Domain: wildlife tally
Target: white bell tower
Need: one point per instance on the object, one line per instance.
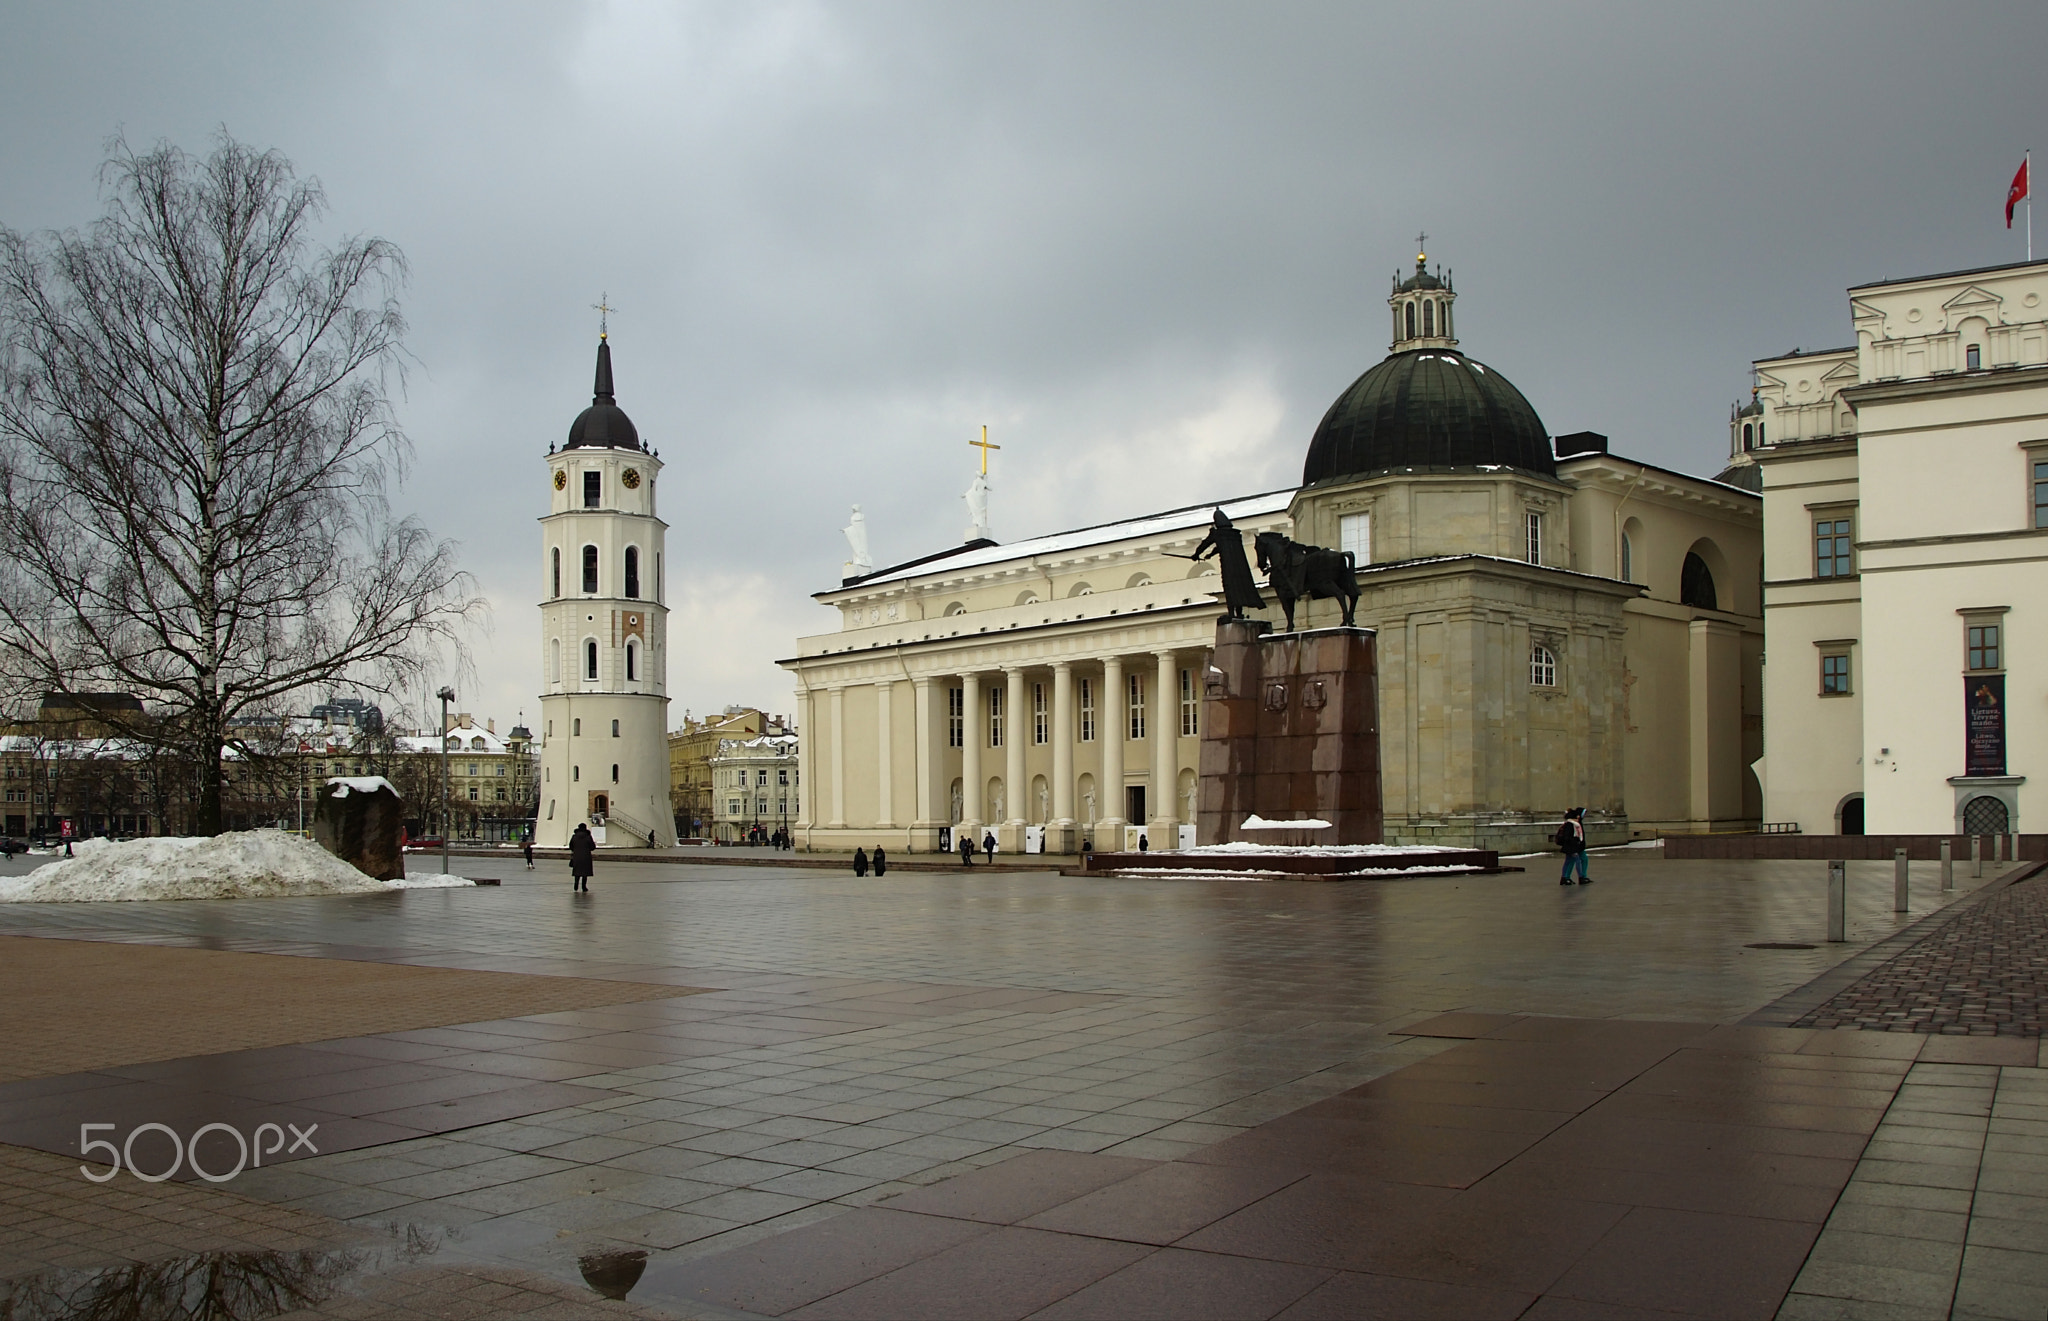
(604, 635)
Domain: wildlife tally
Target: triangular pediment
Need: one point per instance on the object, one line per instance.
(1862, 311)
(1843, 374)
(1974, 296)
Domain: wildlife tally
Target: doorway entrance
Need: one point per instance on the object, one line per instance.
(1134, 804)
(1852, 816)
(600, 805)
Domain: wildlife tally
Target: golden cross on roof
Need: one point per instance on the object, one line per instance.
(984, 447)
(604, 311)
(1422, 246)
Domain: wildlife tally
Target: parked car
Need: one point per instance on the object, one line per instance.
(424, 842)
(10, 847)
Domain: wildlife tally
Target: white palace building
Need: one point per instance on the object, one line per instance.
(1905, 481)
(1557, 626)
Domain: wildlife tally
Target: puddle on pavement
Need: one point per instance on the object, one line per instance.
(209, 1286)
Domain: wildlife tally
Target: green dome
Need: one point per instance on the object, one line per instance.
(1432, 409)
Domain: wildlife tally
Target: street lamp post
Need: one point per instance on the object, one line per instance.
(446, 695)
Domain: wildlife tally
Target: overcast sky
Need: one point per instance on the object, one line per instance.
(1147, 245)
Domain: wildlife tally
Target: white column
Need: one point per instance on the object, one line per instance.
(885, 770)
(1063, 735)
(973, 732)
(1016, 736)
(1111, 726)
(1164, 727)
(930, 793)
(806, 769)
(837, 819)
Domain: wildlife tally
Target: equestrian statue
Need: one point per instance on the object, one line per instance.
(1226, 543)
(1294, 571)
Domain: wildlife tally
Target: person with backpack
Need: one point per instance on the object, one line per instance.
(1571, 837)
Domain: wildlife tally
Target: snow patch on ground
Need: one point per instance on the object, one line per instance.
(247, 864)
(1338, 850)
(1250, 873)
(1257, 822)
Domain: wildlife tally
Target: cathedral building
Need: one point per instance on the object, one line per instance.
(1557, 625)
(604, 635)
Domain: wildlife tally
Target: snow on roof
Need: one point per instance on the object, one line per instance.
(344, 785)
(1061, 543)
(474, 739)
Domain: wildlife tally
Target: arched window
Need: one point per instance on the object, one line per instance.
(1985, 815)
(1628, 559)
(1397, 323)
(590, 569)
(632, 672)
(590, 658)
(556, 554)
(1411, 320)
(615, 772)
(1447, 318)
(1696, 584)
(615, 729)
(1748, 436)
(555, 660)
(1542, 667)
(632, 573)
(1429, 316)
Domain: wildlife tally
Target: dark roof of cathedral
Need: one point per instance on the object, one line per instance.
(603, 425)
(1422, 279)
(1427, 408)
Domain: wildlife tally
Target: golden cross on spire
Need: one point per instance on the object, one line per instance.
(1422, 246)
(984, 447)
(604, 311)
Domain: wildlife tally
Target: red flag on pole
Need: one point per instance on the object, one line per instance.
(2014, 194)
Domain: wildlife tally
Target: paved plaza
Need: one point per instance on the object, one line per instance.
(1007, 1093)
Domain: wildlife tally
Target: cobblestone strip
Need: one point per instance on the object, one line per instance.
(1984, 973)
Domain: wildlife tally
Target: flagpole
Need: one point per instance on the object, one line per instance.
(2030, 204)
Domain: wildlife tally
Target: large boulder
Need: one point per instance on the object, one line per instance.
(361, 820)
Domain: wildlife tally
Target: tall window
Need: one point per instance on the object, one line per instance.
(556, 557)
(1832, 544)
(1041, 723)
(1985, 653)
(657, 575)
(1973, 357)
(1532, 530)
(1428, 316)
(590, 659)
(1542, 667)
(555, 660)
(956, 718)
(615, 729)
(1087, 710)
(1190, 706)
(1628, 559)
(633, 573)
(632, 666)
(2041, 493)
(1834, 673)
(1136, 684)
(995, 717)
(1354, 533)
(593, 487)
(1411, 320)
(590, 569)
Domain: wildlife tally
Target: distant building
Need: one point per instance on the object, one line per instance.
(491, 787)
(1905, 485)
(690, 750)
(754, 784)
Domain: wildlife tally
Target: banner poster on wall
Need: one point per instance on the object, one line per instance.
(1984, 724)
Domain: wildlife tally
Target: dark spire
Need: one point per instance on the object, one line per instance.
(602, 392)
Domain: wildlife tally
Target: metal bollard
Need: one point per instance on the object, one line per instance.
(1838, 901)
(2015, 851)
(1901, 878)
(1977, 856)
(1948, 866)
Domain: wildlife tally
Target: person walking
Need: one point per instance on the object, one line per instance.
(1571, 837)
(988, 846)
(582, 852)
(526, 847)
(860, 862)
(881, 862)
(966, 850)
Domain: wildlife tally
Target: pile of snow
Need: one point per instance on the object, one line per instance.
(1256, 874)
(249, 864)
(1257, 822)
(1374, 850)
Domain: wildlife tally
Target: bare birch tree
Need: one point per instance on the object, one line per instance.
(195, 431)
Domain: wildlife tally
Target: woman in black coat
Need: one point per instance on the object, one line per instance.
(860, 862)
(582, 851)
(881, 861)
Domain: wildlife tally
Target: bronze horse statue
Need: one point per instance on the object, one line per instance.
(1295, 571)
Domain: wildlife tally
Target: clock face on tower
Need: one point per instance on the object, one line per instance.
(631, 477)
(561, 479)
